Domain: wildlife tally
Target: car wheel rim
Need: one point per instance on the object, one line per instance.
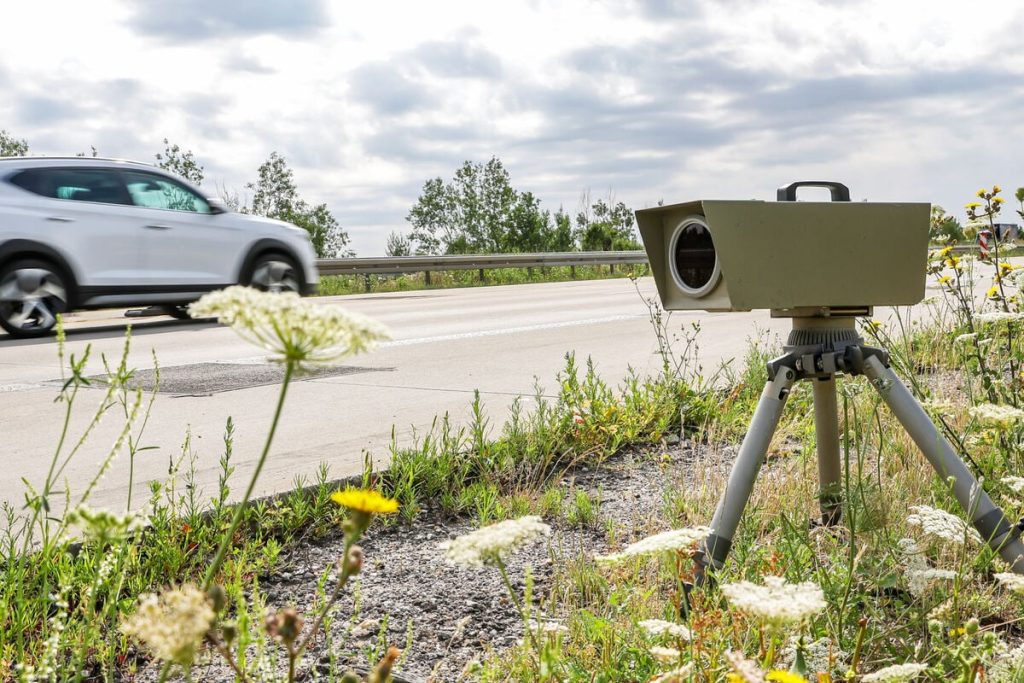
(276, 277)
(31, 298)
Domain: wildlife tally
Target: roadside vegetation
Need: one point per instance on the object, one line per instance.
(900, 590)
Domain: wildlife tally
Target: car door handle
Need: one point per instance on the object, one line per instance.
(158, 226)
(60, 219)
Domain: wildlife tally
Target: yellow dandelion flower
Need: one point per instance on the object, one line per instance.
(784, 677)
(997, 200)
(945, 280)
(972, 205)
(1007, 267)
(992, 292)
(996, 189)
(365, 500)
(953, 261)
(981, 192)
(945, 251)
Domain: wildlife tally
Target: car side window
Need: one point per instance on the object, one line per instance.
(157, 192)
(80, 185)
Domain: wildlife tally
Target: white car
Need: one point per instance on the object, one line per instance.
(81, 233)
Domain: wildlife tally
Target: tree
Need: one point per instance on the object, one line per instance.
(474, 213)
(11, 146)
(604, 226)
(398, 245)
(275, 195)
(944, 227)
(179, 162)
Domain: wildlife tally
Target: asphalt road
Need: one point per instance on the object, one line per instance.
(446, 344)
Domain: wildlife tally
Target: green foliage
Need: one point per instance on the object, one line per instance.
(275, 195)
(398, 245)
(180, 162)
(480, 212)
(605, 226)
(11, 146)
(944, 228)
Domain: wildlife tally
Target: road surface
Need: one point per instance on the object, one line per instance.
(446, 344)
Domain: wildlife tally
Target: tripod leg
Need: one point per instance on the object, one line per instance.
(988, 519)
(826, 429)
(744, 471)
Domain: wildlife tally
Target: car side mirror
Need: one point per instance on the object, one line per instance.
(217, 205)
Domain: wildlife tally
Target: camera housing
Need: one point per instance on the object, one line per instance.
(795, 258)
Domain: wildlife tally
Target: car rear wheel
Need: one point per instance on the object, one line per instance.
(32, 294)
(274, 273)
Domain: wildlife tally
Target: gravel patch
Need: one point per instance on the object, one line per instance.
(455, 614)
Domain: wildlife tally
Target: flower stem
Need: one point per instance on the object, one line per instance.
(218, 559)
(519, 606)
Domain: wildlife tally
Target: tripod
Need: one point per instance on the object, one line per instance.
(817, 350)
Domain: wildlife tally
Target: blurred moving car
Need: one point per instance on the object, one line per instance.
(80, 233)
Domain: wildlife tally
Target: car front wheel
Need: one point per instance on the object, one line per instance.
(274, 273)
(32, 294)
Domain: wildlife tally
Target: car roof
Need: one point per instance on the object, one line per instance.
(43, 162)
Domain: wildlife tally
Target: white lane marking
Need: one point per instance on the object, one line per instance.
(507, 330)
(4, 388)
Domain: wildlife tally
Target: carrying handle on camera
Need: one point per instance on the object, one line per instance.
(840, 192)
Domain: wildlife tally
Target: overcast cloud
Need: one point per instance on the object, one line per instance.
(644, 100)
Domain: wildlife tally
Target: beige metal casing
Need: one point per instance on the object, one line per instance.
(788, 255)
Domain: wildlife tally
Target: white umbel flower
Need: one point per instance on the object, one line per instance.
(897, 673)
(1016, 484)
(920, 580)
(658, 627)
(492, 544)
(666, 655)
(940, 525)
(1010, 581)
(680, 674)
(547, 627)
(667, 541)
(776, 603)
(996, 415)
(291, 328)
(173, 624)
(997, 317)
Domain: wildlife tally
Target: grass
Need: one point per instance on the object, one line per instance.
(336, 285)
(61, 600)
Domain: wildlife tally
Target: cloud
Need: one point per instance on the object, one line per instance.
(456, 60)
(194, 20)
(236, 61)
(386, 89)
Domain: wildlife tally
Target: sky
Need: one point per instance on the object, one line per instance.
(639, 101)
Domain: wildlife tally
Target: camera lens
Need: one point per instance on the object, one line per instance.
(694, 261)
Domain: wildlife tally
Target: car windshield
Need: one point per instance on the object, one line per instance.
(155, 192)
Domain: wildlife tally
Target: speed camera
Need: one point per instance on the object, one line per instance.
(789, 256)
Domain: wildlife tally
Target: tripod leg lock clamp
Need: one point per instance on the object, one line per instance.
(853, 357)
(716, 549)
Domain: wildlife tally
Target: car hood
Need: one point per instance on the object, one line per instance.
(271, 223)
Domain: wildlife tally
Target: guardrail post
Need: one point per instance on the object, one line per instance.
(426, 277)
(481, 275)
(369, 282)
(572, 272)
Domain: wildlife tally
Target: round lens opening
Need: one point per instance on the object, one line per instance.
(694, 259)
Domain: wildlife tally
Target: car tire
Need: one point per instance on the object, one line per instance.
(178, 312)
(32, 293)
(274, 273)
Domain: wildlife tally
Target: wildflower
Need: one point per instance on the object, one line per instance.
(104, 527)
(365, 500)
(940, 525)
(657, 627)
(964, 338)
(972, 205)
(996, 415)
(996, 189)
(286, 625)
(667, 541)
(898, 673)
(680, 674)
(1011, 582)
(293, 329)
(784, 677)
(873, 325)
(920, 580)
(1016, 484)
(945, 280)
(665, 655)
(173, 624)
(776, 603)
(997, 317)
(993, 292)
(744, 670)
(491, 544)
(547, 627)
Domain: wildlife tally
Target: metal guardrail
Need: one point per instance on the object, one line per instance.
(392, 265)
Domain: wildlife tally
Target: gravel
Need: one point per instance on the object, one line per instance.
(455, 614)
